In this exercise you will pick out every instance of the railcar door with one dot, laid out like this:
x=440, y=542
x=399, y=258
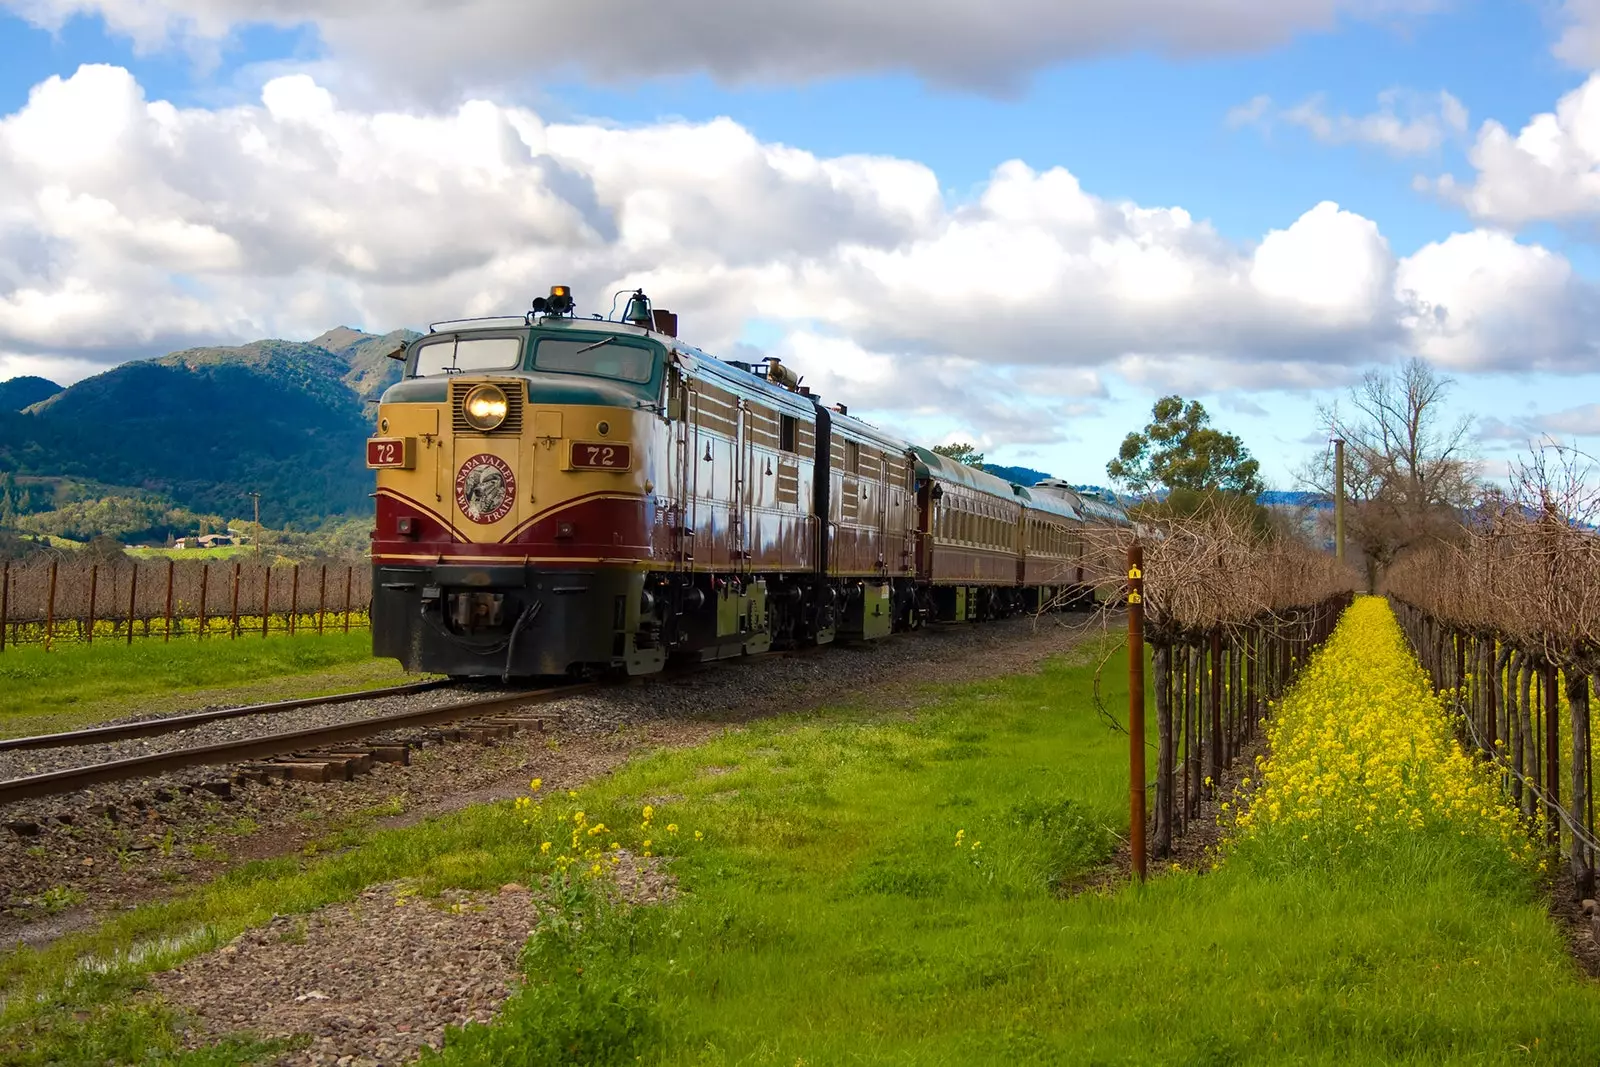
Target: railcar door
x=680, y=489
x=924, y=534
x=880, y=510
x=739, y=509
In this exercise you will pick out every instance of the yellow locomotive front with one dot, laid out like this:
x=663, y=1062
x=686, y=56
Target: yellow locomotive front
x=515, y=524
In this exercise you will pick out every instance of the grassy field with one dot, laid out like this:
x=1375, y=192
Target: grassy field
x=865, y=887
x=78, y=685
x=246, y=552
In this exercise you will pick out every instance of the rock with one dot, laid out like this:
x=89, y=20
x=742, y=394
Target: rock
x=221, y=788
x=23, y=828
x=1591, y=908
x=513, y=887
x=1594, y=929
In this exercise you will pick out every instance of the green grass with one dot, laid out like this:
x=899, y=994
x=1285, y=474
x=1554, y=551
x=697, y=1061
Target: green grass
x=830, y=917
x=76, y=685
x=224, y=552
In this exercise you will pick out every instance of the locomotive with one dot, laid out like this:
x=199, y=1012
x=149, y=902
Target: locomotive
x=559, y=495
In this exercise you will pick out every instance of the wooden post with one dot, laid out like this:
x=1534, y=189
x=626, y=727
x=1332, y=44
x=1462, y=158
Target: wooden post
x=1136, y=812
x=1552, y=750
x=349, y=576
x=1164, y=750
x=5, y=601
x=1582, y=857
x=233, y=620
x=266, y=599
x=205, y=575
x=1216, y=708
x=172, y=566
x=50, y=608
x=94, y=585
x=1527, y=736
x=133, y=598
x=322, y=597
x=294, y=597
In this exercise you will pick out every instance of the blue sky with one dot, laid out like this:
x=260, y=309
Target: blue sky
x=1133, y=124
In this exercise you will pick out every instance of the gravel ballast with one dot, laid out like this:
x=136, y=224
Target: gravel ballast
x=369, y=982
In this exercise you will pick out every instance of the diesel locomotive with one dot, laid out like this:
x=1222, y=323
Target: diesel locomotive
x=561, y=495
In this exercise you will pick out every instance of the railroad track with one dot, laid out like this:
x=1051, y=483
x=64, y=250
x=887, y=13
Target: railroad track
x=302, y=754
x=173, y=723
x=312, y=754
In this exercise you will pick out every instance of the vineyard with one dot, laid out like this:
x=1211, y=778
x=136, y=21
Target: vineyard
x=48, y=601
x=1507, y=625
x=1231, y=617
x=1505, y=621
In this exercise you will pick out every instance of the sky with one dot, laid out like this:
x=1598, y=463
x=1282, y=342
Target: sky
x=1015, y=223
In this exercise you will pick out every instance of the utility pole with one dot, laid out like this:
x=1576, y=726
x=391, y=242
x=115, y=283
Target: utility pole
x=257, y=498
x=1338, y=498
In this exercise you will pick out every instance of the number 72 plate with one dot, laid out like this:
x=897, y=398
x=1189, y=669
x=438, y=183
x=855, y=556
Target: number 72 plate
x=588, y=455
x=398, y=452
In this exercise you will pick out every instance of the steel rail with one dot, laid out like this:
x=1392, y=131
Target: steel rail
x=174, y=723
x=73, y=778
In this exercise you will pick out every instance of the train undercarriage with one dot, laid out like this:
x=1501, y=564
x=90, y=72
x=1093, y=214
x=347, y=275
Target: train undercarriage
x=525, y=621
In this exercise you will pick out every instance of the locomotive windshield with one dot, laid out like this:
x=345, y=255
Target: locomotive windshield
x=605, y=357
x=452, y=355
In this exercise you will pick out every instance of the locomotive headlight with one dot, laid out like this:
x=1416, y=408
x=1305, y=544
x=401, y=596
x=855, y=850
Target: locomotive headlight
x=485, y=407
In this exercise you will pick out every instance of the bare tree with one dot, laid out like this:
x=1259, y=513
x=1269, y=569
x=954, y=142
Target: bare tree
x=1408, y=472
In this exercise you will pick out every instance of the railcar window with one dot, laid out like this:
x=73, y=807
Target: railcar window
x=852, y=457
x=453, y=355
x=789, y=433
x=609, y=357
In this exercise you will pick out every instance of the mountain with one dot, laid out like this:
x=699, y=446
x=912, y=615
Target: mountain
x=1018, y=475
x=371, y=371
x=18, y=393
x=1293, y=498
x=205, y=427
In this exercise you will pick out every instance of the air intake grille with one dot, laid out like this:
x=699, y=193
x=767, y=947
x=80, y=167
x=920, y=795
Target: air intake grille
x=516, y=395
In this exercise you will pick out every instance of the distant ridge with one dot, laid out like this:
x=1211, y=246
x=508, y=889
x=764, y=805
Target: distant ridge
x=204, y=427
x=18, y=393
x=1019, y=475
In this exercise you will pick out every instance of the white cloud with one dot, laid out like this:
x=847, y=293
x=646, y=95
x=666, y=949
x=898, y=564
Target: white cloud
x=1583, y=421
x=129, y=226
x=1482, y=301
x=1579, y=43
x=480, y=43
x=1548, y=171
x=1406, y=123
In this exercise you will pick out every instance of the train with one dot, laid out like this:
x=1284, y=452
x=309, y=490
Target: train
x=569, y=495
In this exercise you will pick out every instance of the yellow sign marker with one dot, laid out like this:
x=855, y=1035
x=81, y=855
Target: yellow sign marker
x=1135, y=598
x=1135, y=573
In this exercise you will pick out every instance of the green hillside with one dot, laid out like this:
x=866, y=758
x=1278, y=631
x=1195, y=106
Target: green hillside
x=202, y=428
x=18, y=393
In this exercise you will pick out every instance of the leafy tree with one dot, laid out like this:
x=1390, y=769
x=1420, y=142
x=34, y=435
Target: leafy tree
x=961, y=452
x=1181, y=452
